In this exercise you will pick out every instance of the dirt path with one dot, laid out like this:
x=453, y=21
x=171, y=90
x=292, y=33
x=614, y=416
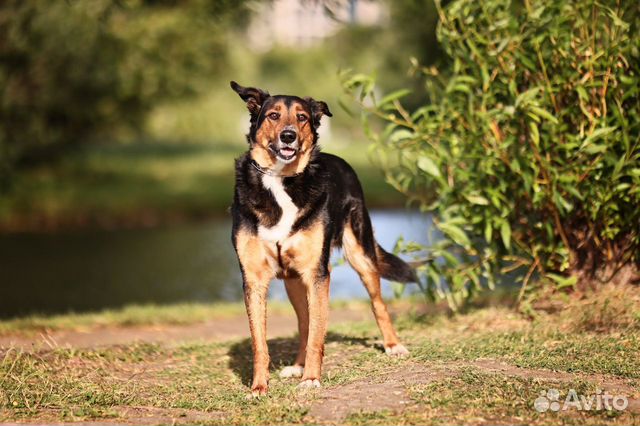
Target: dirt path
x=333, y=405
x=215, y=330
x=130, y=415
x=389, y=392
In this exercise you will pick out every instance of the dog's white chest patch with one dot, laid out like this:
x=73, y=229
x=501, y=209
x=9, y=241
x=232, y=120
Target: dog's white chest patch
x=280, y=230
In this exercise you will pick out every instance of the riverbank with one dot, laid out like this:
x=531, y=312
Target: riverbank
x=145, y=185
x=489, y=365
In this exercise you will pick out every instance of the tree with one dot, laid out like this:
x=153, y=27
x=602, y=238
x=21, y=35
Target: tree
x=71, y=70
x=527, y=149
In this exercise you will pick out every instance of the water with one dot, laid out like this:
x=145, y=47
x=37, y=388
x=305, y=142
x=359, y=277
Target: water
x=90, y=271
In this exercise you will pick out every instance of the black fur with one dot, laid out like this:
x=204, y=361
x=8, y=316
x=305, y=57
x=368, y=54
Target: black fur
x=327, y=190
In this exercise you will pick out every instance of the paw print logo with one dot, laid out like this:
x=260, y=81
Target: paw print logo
x=548, y=400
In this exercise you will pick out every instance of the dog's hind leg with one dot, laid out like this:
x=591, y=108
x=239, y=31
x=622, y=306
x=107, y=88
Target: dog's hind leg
x=367, y=268
x=297, y=293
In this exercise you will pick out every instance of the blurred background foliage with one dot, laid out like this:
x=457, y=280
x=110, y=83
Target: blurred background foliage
x=526, y=148
x=118, y=111
x=77, y=70
x=517, y=128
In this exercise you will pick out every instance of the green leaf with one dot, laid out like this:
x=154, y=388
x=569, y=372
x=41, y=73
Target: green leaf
x=488, y=232
x=527, y=96
x=582, y=93
x=616, y=19
x=535, y=135
x=394, y=96
x=562, y=281
x=597, y=134
x=426, y=164
x=401, y=134
x=505, y=233
x=595, y=149
x=544, y=114
x=459, y=88
x=477, y=199
x=455, y=233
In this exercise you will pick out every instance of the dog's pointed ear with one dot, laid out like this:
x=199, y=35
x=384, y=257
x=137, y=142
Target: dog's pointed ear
x=318, y=109
x=253, y=97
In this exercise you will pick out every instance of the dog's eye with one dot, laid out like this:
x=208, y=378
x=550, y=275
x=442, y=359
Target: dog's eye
x=302, y=118
x=274, y=115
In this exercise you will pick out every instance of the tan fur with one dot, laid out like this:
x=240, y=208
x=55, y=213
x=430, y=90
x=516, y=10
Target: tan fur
x=318, y=297
x=371, y=279
x=299, y=257
x=258, y=273
x=301, y=252
x=297, y=292
x=252, y=253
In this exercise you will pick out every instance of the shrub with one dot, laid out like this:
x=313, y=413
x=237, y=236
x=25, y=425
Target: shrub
x=527, y=149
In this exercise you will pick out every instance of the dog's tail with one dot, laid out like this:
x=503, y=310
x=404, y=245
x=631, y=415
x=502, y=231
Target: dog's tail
x=393, y=268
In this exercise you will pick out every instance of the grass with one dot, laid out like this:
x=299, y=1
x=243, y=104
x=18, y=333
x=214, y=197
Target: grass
x=134, y=315
x=490, y=397
x=142, y=315
x=146, y=183
x=206, y=382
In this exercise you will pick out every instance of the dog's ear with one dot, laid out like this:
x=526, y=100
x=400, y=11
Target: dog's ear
x=318, y=109
x=252, y=96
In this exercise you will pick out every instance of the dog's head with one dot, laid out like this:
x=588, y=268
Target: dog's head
x=283, y=130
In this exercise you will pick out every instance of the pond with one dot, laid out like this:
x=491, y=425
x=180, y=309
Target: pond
x=88, y=271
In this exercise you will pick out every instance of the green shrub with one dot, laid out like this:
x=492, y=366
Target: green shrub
x=527, y=149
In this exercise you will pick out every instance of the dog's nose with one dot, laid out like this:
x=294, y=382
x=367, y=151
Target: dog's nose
x=288, y=136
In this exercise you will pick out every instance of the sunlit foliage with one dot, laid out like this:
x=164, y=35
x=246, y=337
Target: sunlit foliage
x=527, y=149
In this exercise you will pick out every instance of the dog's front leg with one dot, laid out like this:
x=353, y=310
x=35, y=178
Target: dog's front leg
x=318, y=299
x=255, y=299
x=256, y=275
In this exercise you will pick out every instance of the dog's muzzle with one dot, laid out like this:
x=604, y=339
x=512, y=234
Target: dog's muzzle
x=287, y=147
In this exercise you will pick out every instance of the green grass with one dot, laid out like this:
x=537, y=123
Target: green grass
x=134, y=315
x=495, y=398
x=211, y=378
x=146, y=183
x=533, y=349
x=143, y=315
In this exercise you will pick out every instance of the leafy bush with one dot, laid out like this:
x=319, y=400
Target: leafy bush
x=73, y=69
x=527, y=149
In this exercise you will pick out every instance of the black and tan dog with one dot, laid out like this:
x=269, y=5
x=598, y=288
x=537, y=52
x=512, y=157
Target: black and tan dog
x=292, y=205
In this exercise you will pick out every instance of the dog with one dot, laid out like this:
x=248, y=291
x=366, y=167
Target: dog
x=292, y=204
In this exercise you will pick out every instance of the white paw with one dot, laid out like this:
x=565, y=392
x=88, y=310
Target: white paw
x=396, y=350
x=291, y=371
x=309, y=384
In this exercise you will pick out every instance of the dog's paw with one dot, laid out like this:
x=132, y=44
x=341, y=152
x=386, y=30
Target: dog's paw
x=257, y=391
x=291, y=371
x=396, y=350
x=309, y=384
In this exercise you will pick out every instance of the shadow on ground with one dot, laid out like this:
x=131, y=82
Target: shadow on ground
x=282, y=351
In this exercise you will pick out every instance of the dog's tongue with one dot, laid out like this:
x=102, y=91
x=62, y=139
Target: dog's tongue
x=287, y=151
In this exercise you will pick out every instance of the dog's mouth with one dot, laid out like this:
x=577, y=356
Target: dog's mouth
x=287, y=153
